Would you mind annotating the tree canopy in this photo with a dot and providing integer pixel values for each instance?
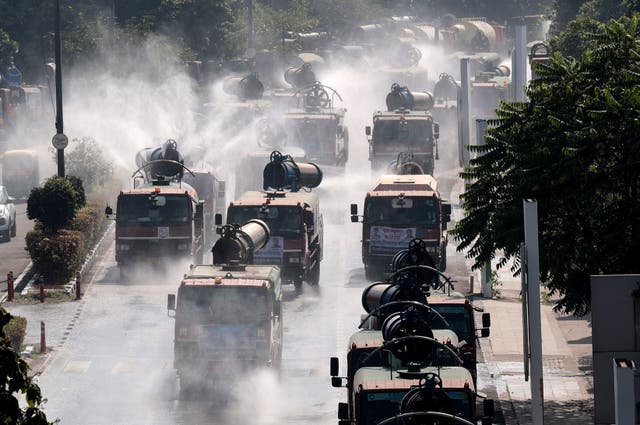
(575, 148)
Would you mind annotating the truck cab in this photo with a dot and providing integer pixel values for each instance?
(156, 222)
(407, 128)
(398, 210)
(317, 127)
(228, 320)
(296, 226)
(378, 392)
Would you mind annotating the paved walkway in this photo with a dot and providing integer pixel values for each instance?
(566, 348)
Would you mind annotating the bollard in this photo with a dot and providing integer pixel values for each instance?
(78, 294)
(10, 288)
(471, 284)
(41, 291)
(43, 339)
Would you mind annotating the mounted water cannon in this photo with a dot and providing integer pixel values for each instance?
(446, 88)
(301, 76)
(539, 54)
(405, 164)
(245, 88)
(283, 173)
(237, 245)
(402, 98)
(317, 97)
(381, 293)
(163, 163)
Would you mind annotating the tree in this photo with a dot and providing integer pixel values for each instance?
(14, 379)
(8, 49)
(575, 147)
(87, 161)
(53, 205)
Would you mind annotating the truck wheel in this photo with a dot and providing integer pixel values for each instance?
(13, 229)
(125, 274)
(371, 273)
(313, 276)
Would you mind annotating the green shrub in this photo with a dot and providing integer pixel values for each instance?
(54, 204)
(90, 222)
(55, 257)
(15, 331)
(78, 186)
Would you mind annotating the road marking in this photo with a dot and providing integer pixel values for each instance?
(124, 366)
(77, 367)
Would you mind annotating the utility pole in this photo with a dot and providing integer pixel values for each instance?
(59, 141)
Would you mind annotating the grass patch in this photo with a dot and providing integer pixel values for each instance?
(50, 297)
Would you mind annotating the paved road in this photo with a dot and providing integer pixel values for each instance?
(13, 256)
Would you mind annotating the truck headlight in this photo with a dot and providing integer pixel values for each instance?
(294, 259)
(123, 247)
(183, 246)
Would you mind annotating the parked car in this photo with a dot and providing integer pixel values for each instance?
(7, 216)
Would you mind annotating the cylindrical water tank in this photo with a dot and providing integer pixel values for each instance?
(238, 244)
(248, 87)
(379, 293)
(405, 323)
(283, 173)
(402, 98)
(300, 77)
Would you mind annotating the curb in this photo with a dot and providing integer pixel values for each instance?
(71, 285)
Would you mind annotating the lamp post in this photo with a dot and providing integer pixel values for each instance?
(59, 141)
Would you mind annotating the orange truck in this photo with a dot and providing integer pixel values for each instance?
(397, 210)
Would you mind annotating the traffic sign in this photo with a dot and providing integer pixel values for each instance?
(60, 141)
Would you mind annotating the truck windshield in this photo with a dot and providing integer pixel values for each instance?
(285, 221)
(460, 319)
(405, 132)
(143, 210)
(313, 135)
(378, 406)
(415, 212)
(223, 304)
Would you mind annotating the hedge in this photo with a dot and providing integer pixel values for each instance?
(56, 257)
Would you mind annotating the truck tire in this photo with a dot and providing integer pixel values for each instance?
(373, 273)
(313, 275)
(297, 283)
(125, 273)
(13, 229)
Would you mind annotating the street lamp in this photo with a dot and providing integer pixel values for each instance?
(59, 141)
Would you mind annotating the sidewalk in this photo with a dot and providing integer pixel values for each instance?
(566, 348)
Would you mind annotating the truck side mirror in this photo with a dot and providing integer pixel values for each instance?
(446, 212)
(108, 211)
(334, 366)
(218, 219)
(367, 130)
(436, 130)
(486, 320)
(485, 332)
(171, 302)
(336, 382)
(343, 411)
(354, 213)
